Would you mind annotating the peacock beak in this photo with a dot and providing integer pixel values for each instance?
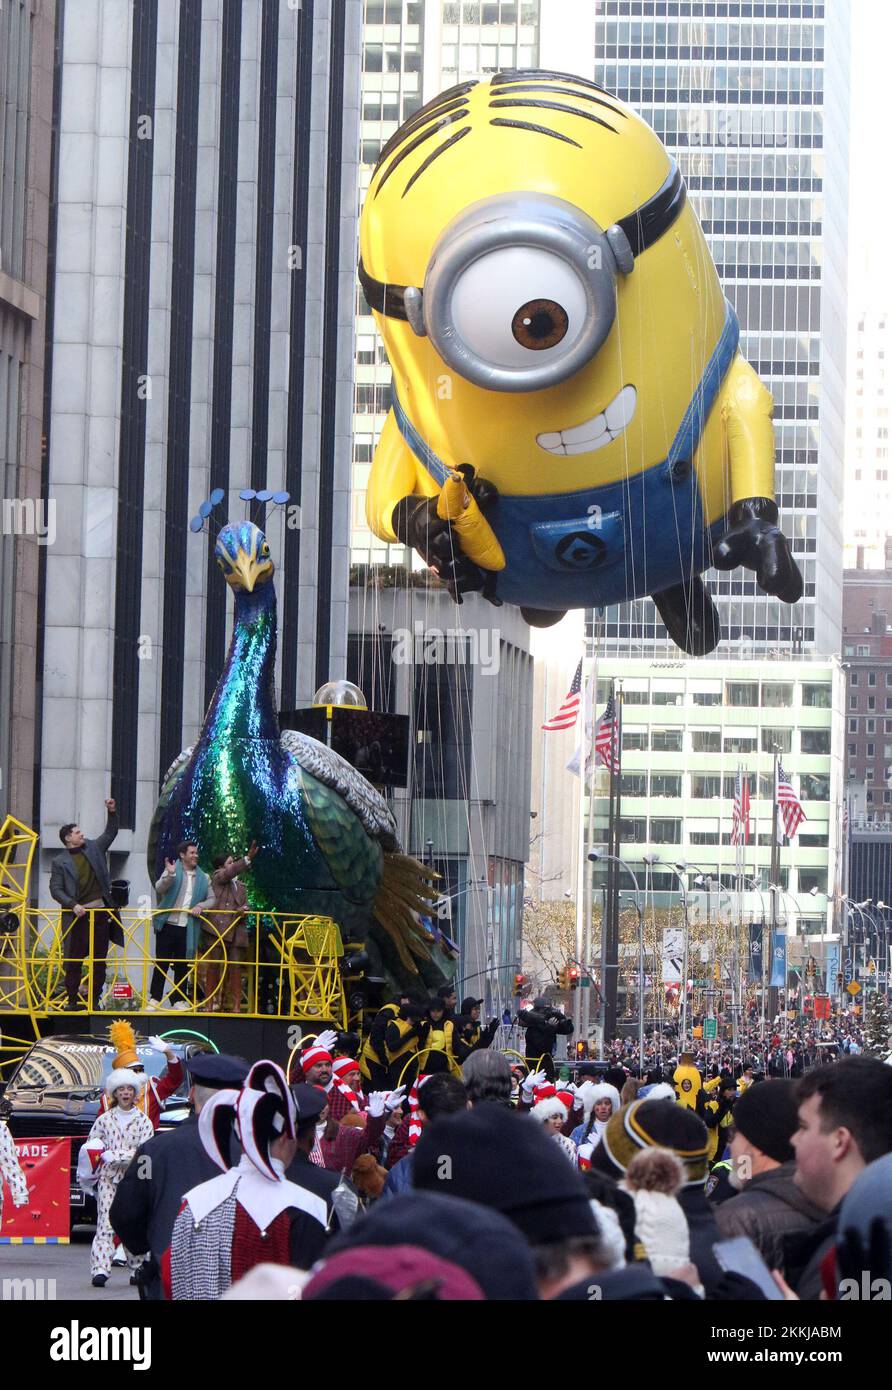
(246, 571)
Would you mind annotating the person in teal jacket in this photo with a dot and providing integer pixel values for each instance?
(182, 890)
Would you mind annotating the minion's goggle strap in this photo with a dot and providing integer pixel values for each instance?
(641, 229)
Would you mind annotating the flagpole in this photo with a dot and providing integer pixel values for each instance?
(581, 875)
(775, 873)
(588, 790)
(609, 952)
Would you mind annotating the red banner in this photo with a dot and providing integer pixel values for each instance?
(46, 1164)
(822, 1006)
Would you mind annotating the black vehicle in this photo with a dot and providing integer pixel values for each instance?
(57, 1088)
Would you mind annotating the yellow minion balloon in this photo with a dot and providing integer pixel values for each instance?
(572, 423)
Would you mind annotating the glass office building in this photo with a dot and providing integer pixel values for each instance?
(752, 100)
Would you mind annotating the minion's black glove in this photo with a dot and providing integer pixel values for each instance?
(416, 524)
(755, 540)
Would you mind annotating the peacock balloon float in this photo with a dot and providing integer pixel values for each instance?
(328, 841)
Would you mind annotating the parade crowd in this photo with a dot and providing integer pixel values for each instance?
(428, 1167)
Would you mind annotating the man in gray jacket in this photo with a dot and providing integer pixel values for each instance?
(763, 1168)
(80, 883)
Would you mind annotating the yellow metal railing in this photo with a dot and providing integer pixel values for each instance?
(289, 969)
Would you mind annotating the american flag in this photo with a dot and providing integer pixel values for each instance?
(792, 813)
(607, 737)
(569, 711)
(740, 817)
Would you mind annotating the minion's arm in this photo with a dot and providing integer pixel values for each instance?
(747, 407)
(395, 474)
(753, 537)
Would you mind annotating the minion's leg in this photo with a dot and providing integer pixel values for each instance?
(691, 617)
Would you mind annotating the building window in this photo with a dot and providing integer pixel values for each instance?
(871, 678)
(706, 740)
(853, 678)
(634, 784)
(853, 726)
(667, 697)
(812, 878)
(707, 697)
(782, 739)
(667, 740)
(776, 695)
(814, 786)
(816, 696)
(635, 740)
(665, 784)
(815, 740)
(871, 702)
(853, 702)
(742, 694)
(665, 832)
(871, 750)
(870, 726)
(705, 786)
(739, 743)
(633, 830)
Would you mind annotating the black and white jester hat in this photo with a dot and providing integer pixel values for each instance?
(260, 1113)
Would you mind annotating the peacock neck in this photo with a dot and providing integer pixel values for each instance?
(243, 706)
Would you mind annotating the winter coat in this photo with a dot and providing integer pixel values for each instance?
(224, 909)
(769, 1208)
(542, 1030)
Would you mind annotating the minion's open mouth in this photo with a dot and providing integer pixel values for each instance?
(594, 433)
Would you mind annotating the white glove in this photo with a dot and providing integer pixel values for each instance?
(395, 1098)
(326, 1040)
(376, 1104)
(159, 1044)
(530, 1082)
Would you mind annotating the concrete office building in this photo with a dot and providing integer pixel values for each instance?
(26, 526)
(203, 299)
(687, 727)
(867, 657)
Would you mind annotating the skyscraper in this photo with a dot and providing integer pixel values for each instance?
(26, 524)
(868, 492)
(752, 100)
(203, 339)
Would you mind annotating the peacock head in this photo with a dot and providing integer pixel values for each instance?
(243, 555)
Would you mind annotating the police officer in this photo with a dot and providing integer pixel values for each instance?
(165, 1168)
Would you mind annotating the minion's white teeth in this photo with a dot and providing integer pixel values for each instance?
(593, 434)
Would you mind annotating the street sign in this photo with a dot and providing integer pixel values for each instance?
(853, 988)
(585, 982)
(711, 1028)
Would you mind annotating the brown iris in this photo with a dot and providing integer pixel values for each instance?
(540, 323)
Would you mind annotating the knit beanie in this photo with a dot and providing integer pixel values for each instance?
(768, 1116)
(653, 1124)
(504, 1161)
(653, 1177)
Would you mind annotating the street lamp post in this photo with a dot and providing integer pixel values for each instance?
(678, 869)
(637, 906)
(595, 856)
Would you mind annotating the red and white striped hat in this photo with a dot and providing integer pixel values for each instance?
(343, 1067)
(312, 1056)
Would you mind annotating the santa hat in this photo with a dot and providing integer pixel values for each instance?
(590, 1092)
(654, 1177)
(123, 1076)
(550, 1108)
(313, 1055)
(568, 1099)
(544, 1092)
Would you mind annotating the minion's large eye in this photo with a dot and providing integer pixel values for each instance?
(264, 551)
(518, 305)
(221, 562)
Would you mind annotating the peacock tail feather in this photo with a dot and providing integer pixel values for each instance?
(353, 858)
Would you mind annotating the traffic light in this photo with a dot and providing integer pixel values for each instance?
(840, 978)
(563, 978)
(573, 976)
(581, 1051)
(519, 982)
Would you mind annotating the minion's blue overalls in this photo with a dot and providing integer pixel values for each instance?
(626, 539)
